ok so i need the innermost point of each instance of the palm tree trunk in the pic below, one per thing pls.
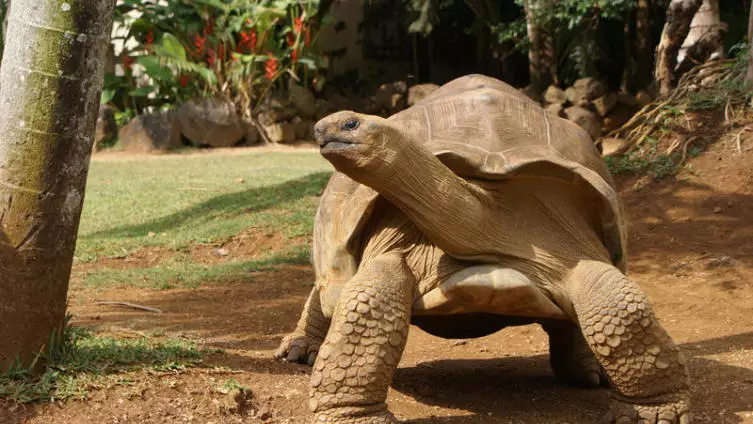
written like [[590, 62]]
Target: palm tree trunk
[[749, 74], [541, 57], [679, 16], [51, 82]]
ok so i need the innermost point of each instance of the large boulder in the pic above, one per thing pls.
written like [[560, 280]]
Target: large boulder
[[280, 132], [585, 119], [604, 104], [555, 95], [419, 91], [210, 122], [589, 88], [149, 133], [303, 100], [392, 97], [107, 128]]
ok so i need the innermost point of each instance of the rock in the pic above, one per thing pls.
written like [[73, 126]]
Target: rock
[[303, 100], [324, 107], [304, 130], [577, 98], [605, 104], [210, 122], [585, 119], [642, 98], [589, 88], [722, 261], [391, 96], [419, 91], [150, 132], [611, 145], [250, 134], [556, 109], [555, 95], [107, 129], [280, 132]]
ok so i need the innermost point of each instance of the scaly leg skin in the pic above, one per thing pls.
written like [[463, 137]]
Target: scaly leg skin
[[354, 369], [571, 358], [302, 345], [645, 367]]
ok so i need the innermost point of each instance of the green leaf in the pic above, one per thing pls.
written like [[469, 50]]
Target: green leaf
[[155, 69], [107, 96], [171, 47], [141, 91]]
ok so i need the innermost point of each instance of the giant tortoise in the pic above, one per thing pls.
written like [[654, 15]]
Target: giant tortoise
[[471, 211]]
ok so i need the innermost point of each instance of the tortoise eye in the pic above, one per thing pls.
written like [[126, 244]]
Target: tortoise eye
[[351, 124]]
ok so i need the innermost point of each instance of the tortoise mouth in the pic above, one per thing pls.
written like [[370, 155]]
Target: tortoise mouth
[[334, 143]]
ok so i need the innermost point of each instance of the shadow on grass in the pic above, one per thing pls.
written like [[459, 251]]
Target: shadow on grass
[[227, 205], [519, 388]]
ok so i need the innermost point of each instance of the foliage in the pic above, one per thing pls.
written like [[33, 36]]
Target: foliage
[[83, 360], [650, 160], [234, 49]]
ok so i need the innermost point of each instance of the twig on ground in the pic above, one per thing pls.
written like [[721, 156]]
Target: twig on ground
[[130, 305]]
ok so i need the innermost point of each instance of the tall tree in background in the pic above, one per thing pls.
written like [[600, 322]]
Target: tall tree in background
[[749, 74], [542, 61], [51, 81], [680, 14], [705, 38]]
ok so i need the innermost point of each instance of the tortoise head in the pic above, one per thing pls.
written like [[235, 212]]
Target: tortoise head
[[353, 141]]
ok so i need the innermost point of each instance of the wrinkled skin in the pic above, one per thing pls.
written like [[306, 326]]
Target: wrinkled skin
[[608, 330]]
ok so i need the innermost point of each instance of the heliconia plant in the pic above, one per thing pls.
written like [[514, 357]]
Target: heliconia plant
[[235, 49]]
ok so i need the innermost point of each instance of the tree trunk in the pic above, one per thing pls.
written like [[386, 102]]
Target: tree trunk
[[50, 86], [542, 62], [679, 16], [643, 53], [749, 74], [705, 38]]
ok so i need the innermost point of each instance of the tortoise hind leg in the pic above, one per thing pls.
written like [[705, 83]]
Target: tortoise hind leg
[[645, 367], [571, 358]]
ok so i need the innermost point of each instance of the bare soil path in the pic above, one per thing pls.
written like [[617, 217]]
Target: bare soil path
[[691, 248]]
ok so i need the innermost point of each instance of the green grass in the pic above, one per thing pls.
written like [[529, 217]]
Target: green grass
[[86, 361], [187, 199], [176, 201]]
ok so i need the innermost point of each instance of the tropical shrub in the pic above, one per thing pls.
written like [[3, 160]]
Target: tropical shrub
[[239, 50]]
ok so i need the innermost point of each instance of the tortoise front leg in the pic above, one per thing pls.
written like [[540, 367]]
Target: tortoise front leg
[[303, 343], [369, 329], [570, 356], [645, 367]]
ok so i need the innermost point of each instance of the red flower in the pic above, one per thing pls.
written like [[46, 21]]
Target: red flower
[[294, 55], [209, 28], [270, 69], [221, 51], [253, 40], [290, 38], [149, 39], [249, 23], [198, 42], [127, 62], [184, 80], [211, 56], [298, 24]]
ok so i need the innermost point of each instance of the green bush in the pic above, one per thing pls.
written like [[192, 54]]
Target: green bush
[[234, 49]]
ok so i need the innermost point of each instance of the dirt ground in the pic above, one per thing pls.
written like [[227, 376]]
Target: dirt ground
[[691, 248]]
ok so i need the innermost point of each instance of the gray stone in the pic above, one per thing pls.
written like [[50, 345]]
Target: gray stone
[[555, 95], [585, 119], [611, 145], [604, 104], [210, 122], [149, 133], [280, 132], [303, 100], [251, 134], [589, 88]]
